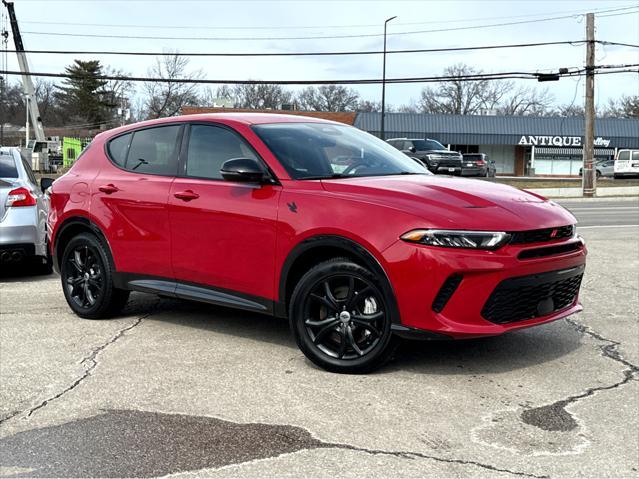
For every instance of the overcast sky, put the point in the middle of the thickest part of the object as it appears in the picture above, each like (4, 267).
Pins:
(305, 18)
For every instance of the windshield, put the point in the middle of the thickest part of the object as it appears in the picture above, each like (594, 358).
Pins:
(426, 145)
(322, 150)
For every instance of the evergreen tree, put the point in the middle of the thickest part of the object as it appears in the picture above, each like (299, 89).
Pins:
(82, 95)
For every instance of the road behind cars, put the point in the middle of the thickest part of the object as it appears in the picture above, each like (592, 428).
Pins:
(188, 389)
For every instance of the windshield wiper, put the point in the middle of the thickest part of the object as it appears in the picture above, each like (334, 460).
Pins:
(326, 177)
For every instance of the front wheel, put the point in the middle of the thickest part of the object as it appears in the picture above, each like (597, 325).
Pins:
(341, 318)
(86, 271)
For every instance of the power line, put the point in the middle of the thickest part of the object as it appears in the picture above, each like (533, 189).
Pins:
(603, 42)
(472, 77)
(294, 54)
(317, 37)
(573, 71)
(323, 27)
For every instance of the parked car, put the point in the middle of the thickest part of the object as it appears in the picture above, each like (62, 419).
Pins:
(311, 220)
(478, 164)
(431, 153)
(23, 213)
(627, 163)
(603, 168)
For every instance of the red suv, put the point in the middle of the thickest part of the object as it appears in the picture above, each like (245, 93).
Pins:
(316, 221)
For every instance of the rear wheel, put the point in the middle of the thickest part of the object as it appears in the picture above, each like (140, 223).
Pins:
(87, 279)
(341, 319)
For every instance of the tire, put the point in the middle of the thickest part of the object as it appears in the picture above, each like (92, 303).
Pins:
(86, 272)
(598, 174)
(336, 330)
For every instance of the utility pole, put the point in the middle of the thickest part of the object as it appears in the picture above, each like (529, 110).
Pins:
(589, 181)
(381, 130)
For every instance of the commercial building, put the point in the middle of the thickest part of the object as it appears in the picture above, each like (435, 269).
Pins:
(520, 145)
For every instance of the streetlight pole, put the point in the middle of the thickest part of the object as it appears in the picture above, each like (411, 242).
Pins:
(26, 103)
(382, 133)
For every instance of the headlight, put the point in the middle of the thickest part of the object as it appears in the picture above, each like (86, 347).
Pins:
(433, 160)
(489, 240)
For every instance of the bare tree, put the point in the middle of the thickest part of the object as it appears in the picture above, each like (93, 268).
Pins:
(166, 98)
(526, 101)
(258, 96)
(370, 106)
(47, 102)
(460, 96)
(569, 110)
(118, 92)
(328, 98)
(625, 107)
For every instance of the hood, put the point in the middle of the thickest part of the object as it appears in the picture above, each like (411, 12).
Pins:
(444, 202)
(439, 153)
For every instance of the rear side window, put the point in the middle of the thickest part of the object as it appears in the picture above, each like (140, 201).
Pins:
(635, 156)
(209, 147)
(8, 166)
(154, 151)
(119, 147)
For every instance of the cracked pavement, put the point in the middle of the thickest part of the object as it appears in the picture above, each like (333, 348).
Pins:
(187, 390)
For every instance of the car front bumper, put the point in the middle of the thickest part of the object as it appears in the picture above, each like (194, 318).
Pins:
(419, 273)
(448, 170)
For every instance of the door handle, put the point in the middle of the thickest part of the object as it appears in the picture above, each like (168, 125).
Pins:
(108, 189)
(187, 195)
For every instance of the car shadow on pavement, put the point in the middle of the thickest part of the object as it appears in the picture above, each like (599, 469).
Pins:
(217, 319)
(21, 272)
(489, 355)
(508, 352)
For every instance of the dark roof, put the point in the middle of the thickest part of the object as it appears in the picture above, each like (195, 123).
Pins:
(467, 129)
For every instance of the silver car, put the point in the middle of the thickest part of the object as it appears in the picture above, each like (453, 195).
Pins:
(23, 213)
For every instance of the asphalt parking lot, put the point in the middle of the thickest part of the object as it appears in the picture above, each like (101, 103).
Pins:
(182, 389)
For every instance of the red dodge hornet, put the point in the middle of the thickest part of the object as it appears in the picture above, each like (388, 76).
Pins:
(352, 240)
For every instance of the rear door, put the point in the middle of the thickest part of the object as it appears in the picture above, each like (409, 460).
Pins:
(222, 232)
(130, 198)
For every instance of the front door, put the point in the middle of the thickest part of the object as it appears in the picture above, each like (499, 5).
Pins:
(222, 233)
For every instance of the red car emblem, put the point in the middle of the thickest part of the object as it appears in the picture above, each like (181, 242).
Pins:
(554, 233)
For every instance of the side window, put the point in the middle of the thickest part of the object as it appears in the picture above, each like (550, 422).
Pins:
(154, 151)
(209, 147)
(624, 155)
(635, 156)
(118, 148)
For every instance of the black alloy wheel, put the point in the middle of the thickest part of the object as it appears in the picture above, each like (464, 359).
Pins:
(87, 279)
(341, 319)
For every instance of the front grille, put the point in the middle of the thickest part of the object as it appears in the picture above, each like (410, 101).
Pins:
(451, 162)
(543, 235)
(549, 251)
(446, 291)
(534, 296)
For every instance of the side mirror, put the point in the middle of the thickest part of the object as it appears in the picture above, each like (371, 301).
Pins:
(244, 170)
(412, 149)
(45, 183)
